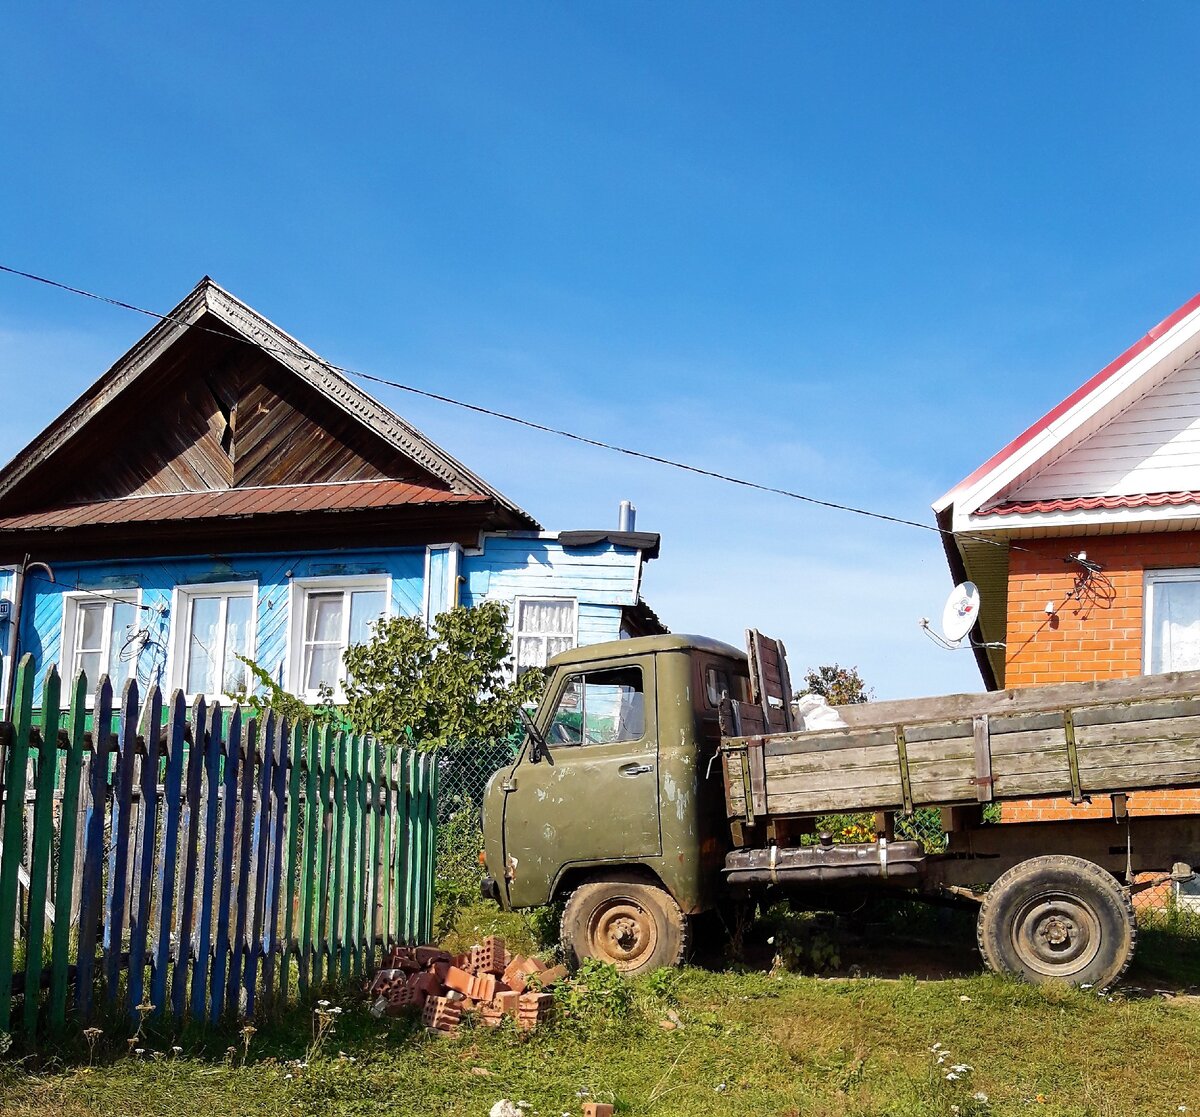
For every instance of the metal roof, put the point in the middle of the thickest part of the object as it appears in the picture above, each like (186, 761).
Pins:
(1091, 503)
(224, 503)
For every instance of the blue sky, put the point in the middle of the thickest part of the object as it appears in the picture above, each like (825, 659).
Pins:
(848, 250)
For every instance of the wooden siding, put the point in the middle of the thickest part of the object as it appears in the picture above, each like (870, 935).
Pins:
(1153, 446)
(41, 629)
(511, 566)
(226, 415)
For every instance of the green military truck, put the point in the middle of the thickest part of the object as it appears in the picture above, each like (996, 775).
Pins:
(665, 776)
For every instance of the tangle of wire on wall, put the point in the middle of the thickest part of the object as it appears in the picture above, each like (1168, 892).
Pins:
(1093, 588)
(139, 639)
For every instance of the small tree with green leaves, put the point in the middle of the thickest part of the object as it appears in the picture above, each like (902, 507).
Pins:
(838, 685)
(267, 695)
(449, 686)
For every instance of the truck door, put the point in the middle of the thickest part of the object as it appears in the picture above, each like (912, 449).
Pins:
(596, 797)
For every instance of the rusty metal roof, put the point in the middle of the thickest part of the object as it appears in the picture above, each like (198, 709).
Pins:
(251, 501)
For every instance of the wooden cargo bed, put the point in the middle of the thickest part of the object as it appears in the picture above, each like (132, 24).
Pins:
(1072, 740)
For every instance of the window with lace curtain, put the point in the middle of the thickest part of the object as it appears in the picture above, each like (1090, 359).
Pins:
(1172, 621)
(542, 627)
(214, 625)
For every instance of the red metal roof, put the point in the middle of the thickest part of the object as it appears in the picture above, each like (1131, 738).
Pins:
(1090, 503)
(1110, 370)
(224, 503)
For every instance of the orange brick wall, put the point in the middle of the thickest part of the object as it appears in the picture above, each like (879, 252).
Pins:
(1097, 638)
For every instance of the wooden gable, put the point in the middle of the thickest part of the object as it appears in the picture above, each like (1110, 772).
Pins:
(214, 413)
(217, 401)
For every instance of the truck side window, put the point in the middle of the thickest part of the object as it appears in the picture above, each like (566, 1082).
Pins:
(719, 683)
(600, 708)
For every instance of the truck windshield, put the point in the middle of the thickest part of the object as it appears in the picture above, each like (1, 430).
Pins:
(600, 707)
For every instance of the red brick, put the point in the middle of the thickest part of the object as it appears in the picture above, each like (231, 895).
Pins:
(597, 1109)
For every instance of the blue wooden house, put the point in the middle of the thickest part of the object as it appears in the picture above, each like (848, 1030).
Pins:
(222, 491)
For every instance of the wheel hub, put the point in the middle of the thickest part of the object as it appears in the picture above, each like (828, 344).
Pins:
(622, 932)
(1056, 935)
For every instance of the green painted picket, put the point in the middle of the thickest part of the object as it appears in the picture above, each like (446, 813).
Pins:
(188, 860)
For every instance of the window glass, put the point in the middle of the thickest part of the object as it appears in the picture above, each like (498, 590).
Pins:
(103, 640)
(543, 628)
(600, 707)
(220, 627)
(1174, 635)
(335, 620)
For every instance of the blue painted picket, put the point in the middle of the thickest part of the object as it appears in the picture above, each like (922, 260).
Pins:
(194, 859)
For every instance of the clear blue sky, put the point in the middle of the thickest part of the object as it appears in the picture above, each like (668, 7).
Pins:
(848, 249)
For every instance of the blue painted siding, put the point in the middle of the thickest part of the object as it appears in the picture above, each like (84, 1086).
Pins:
(156, 579)
(511, 566)
(6, 594)
(602, 578)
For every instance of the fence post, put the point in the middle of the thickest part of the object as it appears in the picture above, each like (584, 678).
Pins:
(312, 817)
(64, 924)
(118, 857)
(139, 923)
(237, 964)
(168, 856)
(14, 805)
(295, 758)
(222, 939)
(43, 834)
(191, 828)
(278, 745)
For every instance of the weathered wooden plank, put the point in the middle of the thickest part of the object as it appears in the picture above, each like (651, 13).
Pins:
(400, 852)
(1119, 777)
(294, 762)
(43, 834)
(118, 858)
(278, 819)
(824, 802)
(340, 854)
(960, 729)
(1032, 723)
(1034, 740)
(15, 777)
(844, 760)
(93, 855)
(430, 829)
(308, 860)
(388, 809)
(1182, 684)
(1172, 709)
(1181, 735)
(375, 797)
(260, 848)
(821, 740)
(184, 937)
(174, 740)
(222, 938)
(139, 923)
(353, 881)
(67, 841)
(207, 870)
(325, 856)
(247, 761)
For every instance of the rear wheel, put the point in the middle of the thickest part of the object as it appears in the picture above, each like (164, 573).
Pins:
(1058, 918)
(627, 921)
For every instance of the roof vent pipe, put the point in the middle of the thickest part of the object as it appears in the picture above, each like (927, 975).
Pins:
(626, 516)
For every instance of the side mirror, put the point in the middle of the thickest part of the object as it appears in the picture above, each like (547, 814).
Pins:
(539, 747)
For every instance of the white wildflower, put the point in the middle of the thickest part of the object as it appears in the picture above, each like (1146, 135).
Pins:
(964, 997)
(720, 1087)
(936, 1047)
(980, 1096)
(951, 1076)
(962, 1068)
(322, 1004)
(286, 1077)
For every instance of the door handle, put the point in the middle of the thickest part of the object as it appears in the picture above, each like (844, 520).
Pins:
(635, 769)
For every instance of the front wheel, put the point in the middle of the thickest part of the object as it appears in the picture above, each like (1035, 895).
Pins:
(1058, 918)
(627, 921)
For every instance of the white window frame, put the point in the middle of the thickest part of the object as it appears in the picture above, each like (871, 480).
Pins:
(1150, 579)
(299, 592)
(181, 615)
(533, 598)
(71, 600)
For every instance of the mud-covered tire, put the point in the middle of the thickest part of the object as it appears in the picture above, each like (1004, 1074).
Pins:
(1058, 918)
(625, 920)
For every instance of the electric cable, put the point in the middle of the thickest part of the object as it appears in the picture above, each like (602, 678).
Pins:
(521, 421)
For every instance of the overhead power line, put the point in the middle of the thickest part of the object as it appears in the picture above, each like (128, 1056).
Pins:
(516, 419)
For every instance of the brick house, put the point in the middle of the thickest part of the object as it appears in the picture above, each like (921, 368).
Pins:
(1083, 535)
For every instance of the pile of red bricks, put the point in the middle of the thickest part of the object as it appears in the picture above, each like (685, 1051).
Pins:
(487, 981)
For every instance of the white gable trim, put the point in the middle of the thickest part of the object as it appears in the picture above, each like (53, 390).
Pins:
(1117, 386)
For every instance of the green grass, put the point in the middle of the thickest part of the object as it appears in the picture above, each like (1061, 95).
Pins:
(751, 1042)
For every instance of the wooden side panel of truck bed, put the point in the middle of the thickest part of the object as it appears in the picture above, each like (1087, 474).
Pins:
(1072, 741)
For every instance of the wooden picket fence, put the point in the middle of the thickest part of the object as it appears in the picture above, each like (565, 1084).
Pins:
(190, 860)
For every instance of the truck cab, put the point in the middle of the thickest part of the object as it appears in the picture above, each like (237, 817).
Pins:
(615, 795)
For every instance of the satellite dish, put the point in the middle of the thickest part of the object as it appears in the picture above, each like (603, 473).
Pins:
(961, 611)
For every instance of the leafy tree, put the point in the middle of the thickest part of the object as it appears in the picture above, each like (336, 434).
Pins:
(269, 695)
(449, 686)
(838, 685)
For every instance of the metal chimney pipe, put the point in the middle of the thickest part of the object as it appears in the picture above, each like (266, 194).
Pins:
(626, 516)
